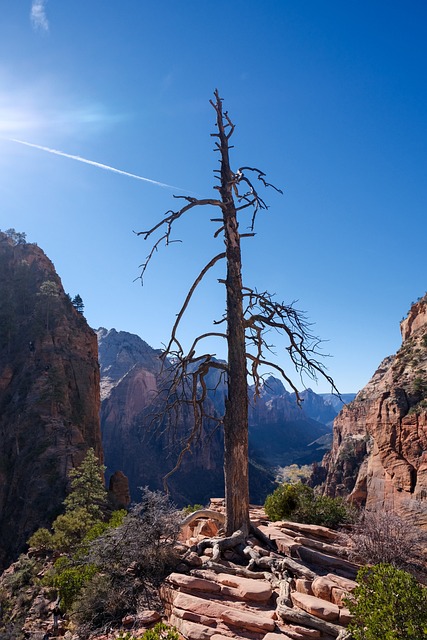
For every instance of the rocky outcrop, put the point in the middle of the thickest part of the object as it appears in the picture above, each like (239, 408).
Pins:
(283, 595)
(379, 453)
(146, 449)
(49, 392)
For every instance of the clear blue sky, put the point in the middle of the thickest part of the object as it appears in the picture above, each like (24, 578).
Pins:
(329, 98)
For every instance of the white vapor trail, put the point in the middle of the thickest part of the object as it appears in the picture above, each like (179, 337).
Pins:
(93, 163)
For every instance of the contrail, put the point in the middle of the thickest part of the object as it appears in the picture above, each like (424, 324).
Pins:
(94, 164)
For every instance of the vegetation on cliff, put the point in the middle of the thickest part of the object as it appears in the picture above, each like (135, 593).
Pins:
(388, 604)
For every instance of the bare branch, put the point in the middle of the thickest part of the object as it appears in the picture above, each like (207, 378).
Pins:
(194, 286)
(168, 221)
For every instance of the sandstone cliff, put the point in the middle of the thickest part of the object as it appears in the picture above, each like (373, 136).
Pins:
(379, 453)
(49, 392)
(279, 431)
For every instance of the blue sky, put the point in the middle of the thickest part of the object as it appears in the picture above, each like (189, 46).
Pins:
(328, 98)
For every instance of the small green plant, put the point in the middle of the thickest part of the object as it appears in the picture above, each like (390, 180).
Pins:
(191, 508)
(388, 604)
(160, 631)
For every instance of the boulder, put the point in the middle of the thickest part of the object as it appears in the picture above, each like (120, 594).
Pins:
(316, 606)
(247, 620)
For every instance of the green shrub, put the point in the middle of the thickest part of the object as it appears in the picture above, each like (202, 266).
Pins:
(191, 508)
(298, 502)
(160, 631)
(42, 540)
(69, 580)
(388, 604)
(286, 500)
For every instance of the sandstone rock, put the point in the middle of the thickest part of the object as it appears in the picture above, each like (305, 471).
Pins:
(252, 590)
(198, 605)
(191, 629)
(343, 583)
(345, 616)
(247, 620)
(338, 596)
(322, 588)
(315, 606)
(380, 439)
(191, 583)
(313, 530)
(303, 586)
(194, 617)
(119, 490)
(148, 617)
(296, 632)
(193, 559)
(128, 621)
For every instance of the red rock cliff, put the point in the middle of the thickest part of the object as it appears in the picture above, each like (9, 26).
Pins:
(379, 453)
(49, 392)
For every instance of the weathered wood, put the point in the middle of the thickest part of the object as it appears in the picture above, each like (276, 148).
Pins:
(298, 616)
(221, 544)
(265, 540)
(285, 593)
(203, 513)
(295, 568)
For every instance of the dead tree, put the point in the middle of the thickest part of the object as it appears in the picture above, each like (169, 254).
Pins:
(249, 315)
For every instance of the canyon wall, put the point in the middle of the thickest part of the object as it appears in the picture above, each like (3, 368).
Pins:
(49, 392)
(379, 452)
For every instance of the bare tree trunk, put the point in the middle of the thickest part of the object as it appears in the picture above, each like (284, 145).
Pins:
(236, 405)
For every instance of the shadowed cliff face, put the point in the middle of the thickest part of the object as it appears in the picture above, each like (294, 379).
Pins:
(379, 452)
(49, 393)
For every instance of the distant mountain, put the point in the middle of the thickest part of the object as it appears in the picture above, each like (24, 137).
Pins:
(49, 392)
(280, 433)
(324, 407)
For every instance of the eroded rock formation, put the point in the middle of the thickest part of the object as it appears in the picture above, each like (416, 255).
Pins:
(379, 453)
(49, 392)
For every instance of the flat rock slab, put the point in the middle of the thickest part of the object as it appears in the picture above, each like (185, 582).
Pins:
(276, 636)
(315, 606)
(191, 629)
(247, 620)
(246, 588)
(343, 583)
(200, 606)
(312, 529)
(192, 583)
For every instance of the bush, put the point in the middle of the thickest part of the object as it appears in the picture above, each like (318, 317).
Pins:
(69, 580)
(285, 501)
(132, 560)
(388, 604)
(42, 540)
(381, 537)
(299, 503)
